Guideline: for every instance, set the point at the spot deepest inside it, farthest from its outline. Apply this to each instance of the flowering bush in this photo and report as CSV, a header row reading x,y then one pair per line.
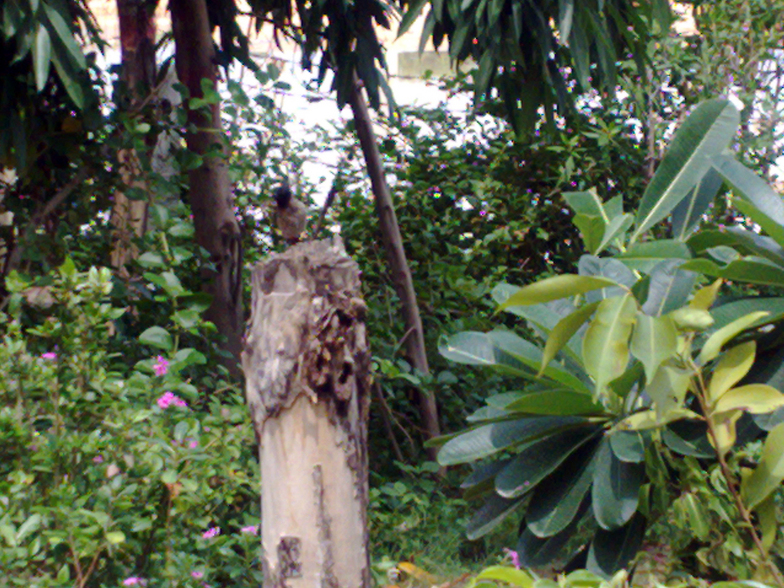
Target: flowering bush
x,y
110,473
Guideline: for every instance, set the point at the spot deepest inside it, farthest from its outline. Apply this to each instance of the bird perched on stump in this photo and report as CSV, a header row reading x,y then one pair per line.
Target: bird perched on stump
x,y
292,214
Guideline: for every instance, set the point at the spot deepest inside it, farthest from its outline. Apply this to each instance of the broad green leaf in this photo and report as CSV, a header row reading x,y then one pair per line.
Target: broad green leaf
x,y
555,402
609,268
615,230
411,15
606,342
627,446
649,419
691,319
151,260
42,56
724,430
65,35
489,439
692,511
706,296
654,340
769,473
768,225
668,388
157,337
768,521
493,512
537,551
610,551
753,270
689,212
557,499
733,366
555,288
645,256
591,230
564,331
712,347
743,241
538,460
504,574
688,438
31,525
69,79
702,136
752,398
726,313
749,186
615,489
669,288
115,537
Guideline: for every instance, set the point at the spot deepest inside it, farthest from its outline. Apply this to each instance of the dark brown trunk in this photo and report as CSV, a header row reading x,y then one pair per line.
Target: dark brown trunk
x,y
396,257
210,194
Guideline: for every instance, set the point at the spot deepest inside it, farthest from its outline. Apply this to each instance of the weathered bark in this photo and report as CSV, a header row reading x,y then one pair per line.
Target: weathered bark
x,y
306,367
137,73
396,257
210,193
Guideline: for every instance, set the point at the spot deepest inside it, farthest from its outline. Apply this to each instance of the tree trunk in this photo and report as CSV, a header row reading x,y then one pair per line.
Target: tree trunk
x,y
396,257
137,73
306,367
210,193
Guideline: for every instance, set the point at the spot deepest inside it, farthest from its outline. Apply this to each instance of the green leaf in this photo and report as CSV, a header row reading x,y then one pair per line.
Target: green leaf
x,y
769,473
492,438
591,230
411,15
606,342
615,230
151,260
69,79
645,256
31,525
65,35
539,459
157,337
493,512
668,388
651,419
733,366
615,490
752,398
655,340
555,288
504,574
689,438
563,331
771,227
610,551
115,537
555,402
753,270
702,136
536,551
42,56
627,446
689,212
587,203
712,347
750,187
557,499
669,288
726,313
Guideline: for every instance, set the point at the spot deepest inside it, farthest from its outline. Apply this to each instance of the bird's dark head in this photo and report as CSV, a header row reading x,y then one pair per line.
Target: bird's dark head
x,y
282,196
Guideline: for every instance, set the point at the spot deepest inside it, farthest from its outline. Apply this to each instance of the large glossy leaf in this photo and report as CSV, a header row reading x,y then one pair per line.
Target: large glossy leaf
x,y
537,551
687,215
654,340
668,387
721,337
703,135
752,270
628,446
587,203
726,313
539,459
65,34
509,576
750,187
669,287
610,551
557,499
592,230
484,473
733,366
562,333
492,438
490,515
744,241
645,256
688,438
563,286
615,230
768,225
556,402
615,489
769,473
751,398
606,342
42,56
605,267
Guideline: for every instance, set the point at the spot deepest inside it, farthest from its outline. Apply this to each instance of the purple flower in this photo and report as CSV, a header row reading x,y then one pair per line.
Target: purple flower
x,y
513,556
252,529
161,366
193,444
168,399
49,355
197,575
98,459
211,532
134,581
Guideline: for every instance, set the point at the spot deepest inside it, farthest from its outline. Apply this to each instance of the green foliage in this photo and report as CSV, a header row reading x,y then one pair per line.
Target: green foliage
x,y
638,343
113,469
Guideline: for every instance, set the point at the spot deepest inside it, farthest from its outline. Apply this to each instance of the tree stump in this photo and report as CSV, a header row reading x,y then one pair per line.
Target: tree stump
x,y
306,365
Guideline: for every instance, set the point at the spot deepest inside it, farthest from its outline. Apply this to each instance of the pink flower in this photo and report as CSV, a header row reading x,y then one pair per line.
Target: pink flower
x,y
513,556
49,355
211,532
134,581
252,529
197,575
98,459
193,444
168,399
161,366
